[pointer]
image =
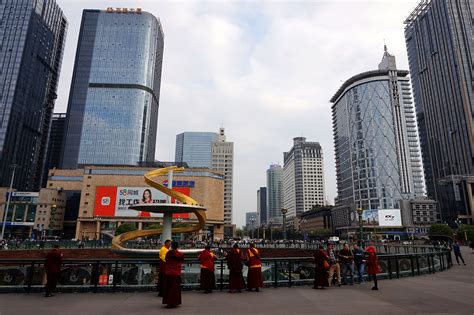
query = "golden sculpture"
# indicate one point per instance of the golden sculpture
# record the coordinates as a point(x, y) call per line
point(186, 205)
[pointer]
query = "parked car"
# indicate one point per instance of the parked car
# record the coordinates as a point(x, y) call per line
point(333, 239)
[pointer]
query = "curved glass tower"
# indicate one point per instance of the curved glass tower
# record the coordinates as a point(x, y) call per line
point(113, 104)
point(378, 159)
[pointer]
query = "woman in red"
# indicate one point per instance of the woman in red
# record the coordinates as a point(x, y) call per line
point(254, 275)
point(172, 281)
point(372, 265)
point(208, 279)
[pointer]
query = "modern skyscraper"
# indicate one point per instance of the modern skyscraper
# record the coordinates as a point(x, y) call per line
point(32, 36)
point(113, 103)
point(223, 160)
point(56, 136)
point(439, 39)
point(262, 205)
point(303, 177)
point(195, 148)
point(251, 220)
point(378, 160)
point(274, 194)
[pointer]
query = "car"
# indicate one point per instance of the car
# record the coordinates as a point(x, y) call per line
point(333, 239)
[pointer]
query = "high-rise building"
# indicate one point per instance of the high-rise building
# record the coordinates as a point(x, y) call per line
point(32, 37)
point(251, 220)
point(56, 136)
point(113, 102)
point(223, 160)
point(262, 205)
point(378, 160)
point(439, 39)
point(303, 177)
point(274, 194)
point(195, 148)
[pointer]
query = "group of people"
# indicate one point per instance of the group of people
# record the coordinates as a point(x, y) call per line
point(328, 264)
point(169, 276)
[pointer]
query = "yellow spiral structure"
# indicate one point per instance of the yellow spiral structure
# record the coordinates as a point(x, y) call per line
point(187, 204)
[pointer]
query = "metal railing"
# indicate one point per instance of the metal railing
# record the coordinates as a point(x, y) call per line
point(111, 275)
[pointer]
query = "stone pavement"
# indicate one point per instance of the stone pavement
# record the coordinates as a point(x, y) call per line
point(448, 292)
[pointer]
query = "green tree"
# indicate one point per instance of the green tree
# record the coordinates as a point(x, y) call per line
point(125, 227)
point(440, 231)
point(465, 231)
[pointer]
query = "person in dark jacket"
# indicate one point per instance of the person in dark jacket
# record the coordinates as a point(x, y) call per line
point(347, 262)
point(457, 253)
point(52, 266)
point(359, 261)
point(172, 282)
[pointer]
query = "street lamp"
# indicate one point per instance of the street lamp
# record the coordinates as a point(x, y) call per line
point(303, 222)
point(361, 235)
point(284, 212)
point(458, 223)
point(14, 166)
point(270, 222)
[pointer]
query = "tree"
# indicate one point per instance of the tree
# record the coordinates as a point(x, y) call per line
point(125, 227)
point(465, 231)
point(440, 231)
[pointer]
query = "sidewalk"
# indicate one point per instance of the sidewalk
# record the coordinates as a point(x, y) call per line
point(450, 291)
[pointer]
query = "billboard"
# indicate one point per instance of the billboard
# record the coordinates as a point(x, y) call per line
point(382, 217)
point(114, 201)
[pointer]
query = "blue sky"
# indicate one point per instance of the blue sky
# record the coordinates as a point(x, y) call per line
point(264, 70)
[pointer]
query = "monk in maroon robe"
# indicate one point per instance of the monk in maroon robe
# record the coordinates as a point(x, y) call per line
point(321, 269)
point(234, 263)
point(172, 281)
point(208, 278)
point(254, 275)
point(52, 266)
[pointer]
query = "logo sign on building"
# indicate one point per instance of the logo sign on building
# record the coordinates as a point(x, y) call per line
point(390, 217)
point(113, 201)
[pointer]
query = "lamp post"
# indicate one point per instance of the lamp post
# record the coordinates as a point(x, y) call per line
point(458, 223)
point(252, 222)
point(270, 222)
point(14, 166)
point(284, 212)
point(361, 233)
point(303, 223)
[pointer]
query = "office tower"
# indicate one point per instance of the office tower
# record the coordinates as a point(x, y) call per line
point(56, 136)
point(32, 37)
point(378, 160)
point(195, 148)
point(251, 220)
point(303, 177)
point(223, 160)
point(262, 205)
point(439, 39)
point(113, 102)
point(274, 194)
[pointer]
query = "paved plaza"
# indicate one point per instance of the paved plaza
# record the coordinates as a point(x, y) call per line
point(448, 292)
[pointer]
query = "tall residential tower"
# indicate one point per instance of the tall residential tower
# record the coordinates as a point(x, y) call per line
point(113, 102)
point(32, 37)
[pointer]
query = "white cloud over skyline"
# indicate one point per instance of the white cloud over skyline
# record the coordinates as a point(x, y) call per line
point(263, 70)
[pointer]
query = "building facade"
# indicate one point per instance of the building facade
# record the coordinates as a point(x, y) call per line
point(195, 148)
point(113, 102)
point(439, 40)
point(223, 160)
point(303, 177)
point(106, 192)
point(32, 38)
point(274, 194)
point(251, 220)
point(56, 136)
point(262, 212)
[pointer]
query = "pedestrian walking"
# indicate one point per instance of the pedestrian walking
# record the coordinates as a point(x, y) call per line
point(52, 266)
point(372, 265)
point(457, 253)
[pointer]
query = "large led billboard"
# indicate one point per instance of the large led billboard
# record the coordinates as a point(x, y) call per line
point(382, 217)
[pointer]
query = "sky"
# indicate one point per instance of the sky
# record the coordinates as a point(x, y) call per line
point(263, 70)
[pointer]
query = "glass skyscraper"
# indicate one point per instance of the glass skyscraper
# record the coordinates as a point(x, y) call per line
point(378, 159)
point(195, 148)
point(113, 104)
point(32, 36)
point(274, 194)
point(439, 38)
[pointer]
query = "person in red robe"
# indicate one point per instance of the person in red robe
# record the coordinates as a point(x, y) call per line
point(254, 275)
point(372, 265)
point(321, 270)
point(161, 267)
point(52, 266)
point(234, 263)
point(172, 281)
point(208, 279)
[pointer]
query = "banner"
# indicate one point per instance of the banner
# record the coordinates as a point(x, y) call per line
point(113, 201)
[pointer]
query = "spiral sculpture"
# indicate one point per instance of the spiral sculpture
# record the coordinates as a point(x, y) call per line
point(187, 204)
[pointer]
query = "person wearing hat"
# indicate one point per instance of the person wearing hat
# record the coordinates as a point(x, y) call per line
point(372, 265)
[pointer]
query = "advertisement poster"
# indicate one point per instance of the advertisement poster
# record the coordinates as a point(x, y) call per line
point(390, 217)
point(370, 217)
point(113, 201)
